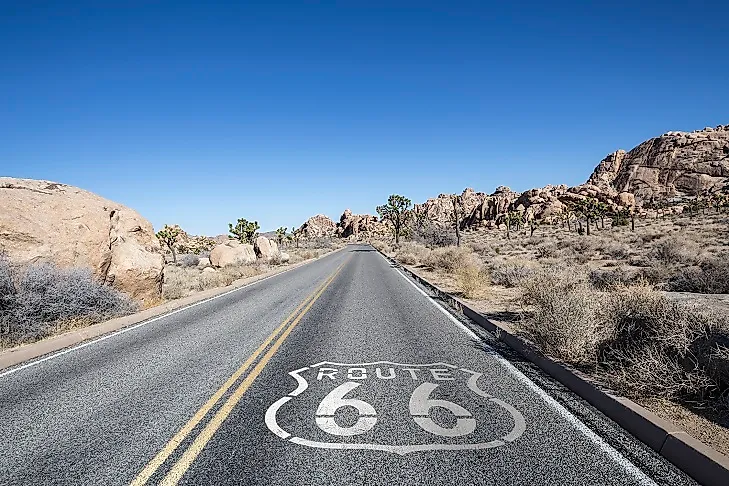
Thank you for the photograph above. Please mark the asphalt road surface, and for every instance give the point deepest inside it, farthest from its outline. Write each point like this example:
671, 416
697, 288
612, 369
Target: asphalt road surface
338, 372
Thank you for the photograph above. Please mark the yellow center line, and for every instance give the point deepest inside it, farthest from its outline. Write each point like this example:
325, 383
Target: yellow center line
184, 463
180, 436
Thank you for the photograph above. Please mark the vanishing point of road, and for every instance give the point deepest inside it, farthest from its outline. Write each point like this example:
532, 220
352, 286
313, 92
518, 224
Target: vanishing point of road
342, 371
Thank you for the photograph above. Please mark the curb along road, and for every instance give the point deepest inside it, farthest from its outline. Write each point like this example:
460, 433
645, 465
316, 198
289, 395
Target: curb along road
701, 462
11, 358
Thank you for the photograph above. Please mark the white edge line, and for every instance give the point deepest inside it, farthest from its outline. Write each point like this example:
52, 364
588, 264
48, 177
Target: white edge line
143, 323
558, 407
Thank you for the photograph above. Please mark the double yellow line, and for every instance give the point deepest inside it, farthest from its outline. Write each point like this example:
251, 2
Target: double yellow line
188, 457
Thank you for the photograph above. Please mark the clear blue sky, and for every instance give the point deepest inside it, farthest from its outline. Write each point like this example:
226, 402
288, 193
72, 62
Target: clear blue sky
201, 113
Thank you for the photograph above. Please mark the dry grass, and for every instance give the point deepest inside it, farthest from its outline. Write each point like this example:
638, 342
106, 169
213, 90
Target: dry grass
182, 281
511, 273
562, 318
633, 338
594, 301
40, 300
472, 280
450, 258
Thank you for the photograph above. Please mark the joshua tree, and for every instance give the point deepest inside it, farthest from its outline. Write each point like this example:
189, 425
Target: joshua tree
512, 218
168, 235
281, 235
720, 201
570, 212
588, 208
601, 209
295, 235
244, 231
397, 212
533, 225
620, 217
458, 211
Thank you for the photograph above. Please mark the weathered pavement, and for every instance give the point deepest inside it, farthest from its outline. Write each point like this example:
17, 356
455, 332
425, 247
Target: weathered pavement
338, 372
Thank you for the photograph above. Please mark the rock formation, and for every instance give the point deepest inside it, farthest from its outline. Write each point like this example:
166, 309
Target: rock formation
674, 164
356, 225
232, 253
191, 244
318, 226
440, 209
43, 221
266, 249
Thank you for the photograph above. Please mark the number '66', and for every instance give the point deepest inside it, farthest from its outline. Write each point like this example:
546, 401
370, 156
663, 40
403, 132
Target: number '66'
420, 406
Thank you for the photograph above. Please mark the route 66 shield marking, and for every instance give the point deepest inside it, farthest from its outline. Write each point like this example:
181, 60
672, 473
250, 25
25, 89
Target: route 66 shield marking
392, 407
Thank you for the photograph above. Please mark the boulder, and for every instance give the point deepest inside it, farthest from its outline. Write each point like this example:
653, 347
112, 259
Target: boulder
285, 257
232, 253
44, 221
265, 249
204, 262
208, 270
626, 199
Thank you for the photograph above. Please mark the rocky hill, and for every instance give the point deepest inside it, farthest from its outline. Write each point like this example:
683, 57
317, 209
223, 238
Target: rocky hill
674, 164
319, 226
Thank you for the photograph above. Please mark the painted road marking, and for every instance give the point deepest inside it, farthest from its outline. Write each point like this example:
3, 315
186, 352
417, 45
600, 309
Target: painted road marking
182, 434
189, 456
548, 399
480, 421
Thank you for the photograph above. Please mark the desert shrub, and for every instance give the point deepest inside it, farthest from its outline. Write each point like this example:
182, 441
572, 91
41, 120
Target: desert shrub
320, 243
183, 281
584, 246
7, 287
546, 250
562, 317
709, 277
190, 260
180, 282
44, 298
651, 351
406, 257
482, 248
413, 252
204, 254
471, 280
381, 246
615, 249
236, 272
658, 273
673, 249
450, 258
211, 280
308, 254
511, 273
605, 279
435, 236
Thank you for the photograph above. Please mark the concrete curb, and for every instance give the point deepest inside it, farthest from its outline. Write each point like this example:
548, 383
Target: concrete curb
704, 464
15, 356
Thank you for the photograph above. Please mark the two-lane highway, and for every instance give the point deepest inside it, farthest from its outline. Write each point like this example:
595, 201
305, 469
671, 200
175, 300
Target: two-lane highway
342, 371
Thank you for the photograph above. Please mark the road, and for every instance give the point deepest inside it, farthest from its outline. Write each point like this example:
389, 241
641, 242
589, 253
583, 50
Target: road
342, 371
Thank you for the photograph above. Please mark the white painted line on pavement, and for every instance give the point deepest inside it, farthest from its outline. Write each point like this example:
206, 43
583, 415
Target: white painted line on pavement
554, 404
135, 326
